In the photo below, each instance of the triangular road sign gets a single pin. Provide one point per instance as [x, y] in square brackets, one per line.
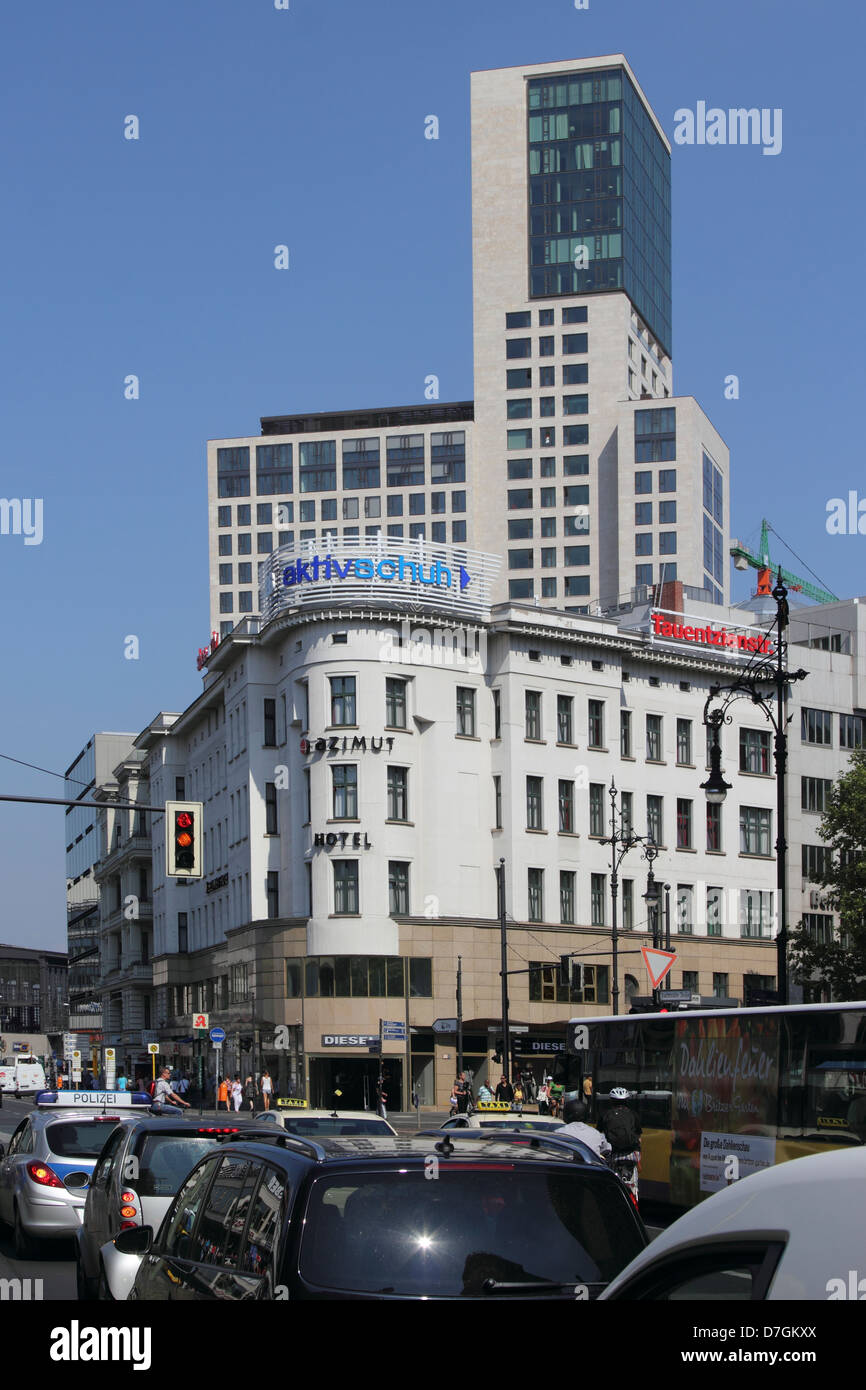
[657, 963]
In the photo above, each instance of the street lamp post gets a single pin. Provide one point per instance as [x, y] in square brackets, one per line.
[652, 898]
[621, 839]
[748, 685]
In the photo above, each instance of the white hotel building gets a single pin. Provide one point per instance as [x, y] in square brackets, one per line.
[369, 750]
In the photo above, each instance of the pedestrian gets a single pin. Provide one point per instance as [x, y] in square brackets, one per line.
[517, 1102]
[182, 1085]
[267, 1088]
[485, 1095]
[587, 1094]
[555, 1090]
[121, 1083]
[574, 1113]
[250, 1093]
[543, 1098]
[164, 1095]
[505, 1091]
[464, 1094]
[452, 1100]
[237, 1092]
[381, 1099]
[222, 1094]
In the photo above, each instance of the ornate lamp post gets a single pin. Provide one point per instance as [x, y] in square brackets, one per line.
[621, 839]
[757, 683]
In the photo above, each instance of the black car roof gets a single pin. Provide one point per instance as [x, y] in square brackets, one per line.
[528, 1147]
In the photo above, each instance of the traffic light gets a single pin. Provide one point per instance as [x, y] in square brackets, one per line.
[497, 1056]
[565, 970]
[516, 1045]
[183, 839]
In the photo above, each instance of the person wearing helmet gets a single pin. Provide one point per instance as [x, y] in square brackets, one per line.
[621, 1129]
[574, 1114]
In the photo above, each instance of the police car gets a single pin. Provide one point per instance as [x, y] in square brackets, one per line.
[45, 1169]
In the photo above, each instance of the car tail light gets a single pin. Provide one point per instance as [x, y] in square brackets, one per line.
[127, 1197]
[216, 1129]
[41, 1173]
[127, 1225]
[127, 1211]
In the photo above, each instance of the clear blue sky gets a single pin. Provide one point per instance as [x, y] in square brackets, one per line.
[306, 127]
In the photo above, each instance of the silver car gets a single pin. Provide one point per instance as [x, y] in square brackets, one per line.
[142, 1165]
[46, 1169]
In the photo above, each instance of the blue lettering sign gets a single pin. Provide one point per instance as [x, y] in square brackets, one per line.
[360, 567]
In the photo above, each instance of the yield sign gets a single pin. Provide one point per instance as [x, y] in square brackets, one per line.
[657, 963]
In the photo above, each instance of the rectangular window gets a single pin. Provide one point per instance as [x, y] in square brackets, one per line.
[573, 343]
[756, 913]
[233, 472]
[575, 374]
[626, 808]
[520, 588]
[519, 498]
[361, 465]
[344, 778]
[814, 792]
[520, 559]
[654, 819]
[755, 830]
[398, 888]
[575, 555]
[404, 460]
[271, 826]
[521, 318]
[497, 803]
[317, 471]
[816, 862]
[625, 733]
[566, 896]
[546, 346]
[715, 900]
[643, 574]
[643, 513]
[448, 457]
[273, 893]
[536, 895]
[817, 727]
[566, 807]
[643, 482]
[668, 543]
[851, 727]
[520, 530]
[685, 909]
[684, 742]
[519, 439]
[497, 713]
[596, 724]
[465, 711]
[654, 738]
[714, 827]
[628, 904]
[720, 985]
[533, 714]
[565, 719]
[684, 823]
[643, 543]
[518, 378]
[755, 751]
[534, 803]
[519, 408]
[270, 719]
[655, 435]
[343, 712]
[596, 808]
[597, 899]
[519, 469]
[518, 347]
[398, 793]
[395, 703]
[345, 887]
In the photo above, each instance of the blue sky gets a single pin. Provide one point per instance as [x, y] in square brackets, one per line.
[306, 127]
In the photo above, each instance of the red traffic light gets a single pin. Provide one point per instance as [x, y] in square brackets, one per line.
[183, 820]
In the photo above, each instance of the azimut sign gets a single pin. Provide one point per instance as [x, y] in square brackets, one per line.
[703, 634]
[380, 569]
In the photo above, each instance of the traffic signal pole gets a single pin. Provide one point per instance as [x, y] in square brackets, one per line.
[506, 1050]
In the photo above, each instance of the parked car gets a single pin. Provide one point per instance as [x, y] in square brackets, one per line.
[411, 1217]
[503, 1119]
[46, 1168]
[795, 1232]
[141, 1166]
[322, 1122]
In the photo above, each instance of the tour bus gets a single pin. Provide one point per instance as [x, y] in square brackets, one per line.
[22, 1074]
[722, 1093]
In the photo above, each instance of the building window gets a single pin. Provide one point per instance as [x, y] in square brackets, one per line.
[819, 925]
[497, 803]
[566, 807]
[668, 543]
[851, 727]
[654, 819]
[755, 830]
[395, 703]
[533, 715]
[654, 738]
[816, 862]
[344, 780]
[518, 347]
[398, 793]
[520, 560]
[596, 808]
[714, 827]
[720, 985]
[817, 727]
[345, 887]
[270, 713]
[625, 733]
[398, 888]
[643, 482]
[715, 898]
[574, 343]
[458, 530]
[626, 806]
[756, 913]
[534, 803]
[628, 904]
[597, 899]
[465, 712]
[667, 480]
[271, 826]
[596, 723]
[755, 751]
[643, 543]
[343, 712]
[684, 823]
[519, 470]
[814, 794]
[685, 909]
[566, 896]
[519, 498]
[404, 462]
[273, 892]
[518, 378]
[684, 742]
[643, 575]
[565, 719]
[536, 895]
[643, 513]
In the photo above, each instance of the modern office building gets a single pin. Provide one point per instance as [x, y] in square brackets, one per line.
[576, 462]
[33, 999]
[92, 768]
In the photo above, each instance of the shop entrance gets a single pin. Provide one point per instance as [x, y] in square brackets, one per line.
[356, 1077]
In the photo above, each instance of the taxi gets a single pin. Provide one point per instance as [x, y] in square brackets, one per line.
[298, 1119]
[45, 1169]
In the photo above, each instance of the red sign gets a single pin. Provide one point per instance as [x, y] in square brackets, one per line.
[657, 963]
[205, 652]
[664, 625]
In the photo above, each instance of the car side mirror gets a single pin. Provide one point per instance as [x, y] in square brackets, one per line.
[136, 1241]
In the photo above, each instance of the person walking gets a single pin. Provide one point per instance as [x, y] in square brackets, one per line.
[250, 1093]
[237, 1092]
[382, 1099]
[121, 1082]
[464, 1094]
[587, 1094]
[267, 1088]
[505, 1091]
[222, 1094]
[543, 1098]
[517, 1102]
[574, 1114]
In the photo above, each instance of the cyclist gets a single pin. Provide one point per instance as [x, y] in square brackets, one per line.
[621, 1129]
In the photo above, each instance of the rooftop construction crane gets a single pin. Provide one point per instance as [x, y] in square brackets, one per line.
[767, 570]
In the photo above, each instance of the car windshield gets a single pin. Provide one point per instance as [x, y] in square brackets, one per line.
[520, 1124]
[398, 1233]
[78, 1139]
[165, 1159]
[330, 1124]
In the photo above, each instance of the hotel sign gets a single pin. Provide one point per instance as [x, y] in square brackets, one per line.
[700, 633]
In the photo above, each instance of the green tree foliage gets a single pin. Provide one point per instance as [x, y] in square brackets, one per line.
[840, 963]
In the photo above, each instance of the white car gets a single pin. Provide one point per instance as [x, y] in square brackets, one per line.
[316, 1124]
[796, 1231]
[503, 1119]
